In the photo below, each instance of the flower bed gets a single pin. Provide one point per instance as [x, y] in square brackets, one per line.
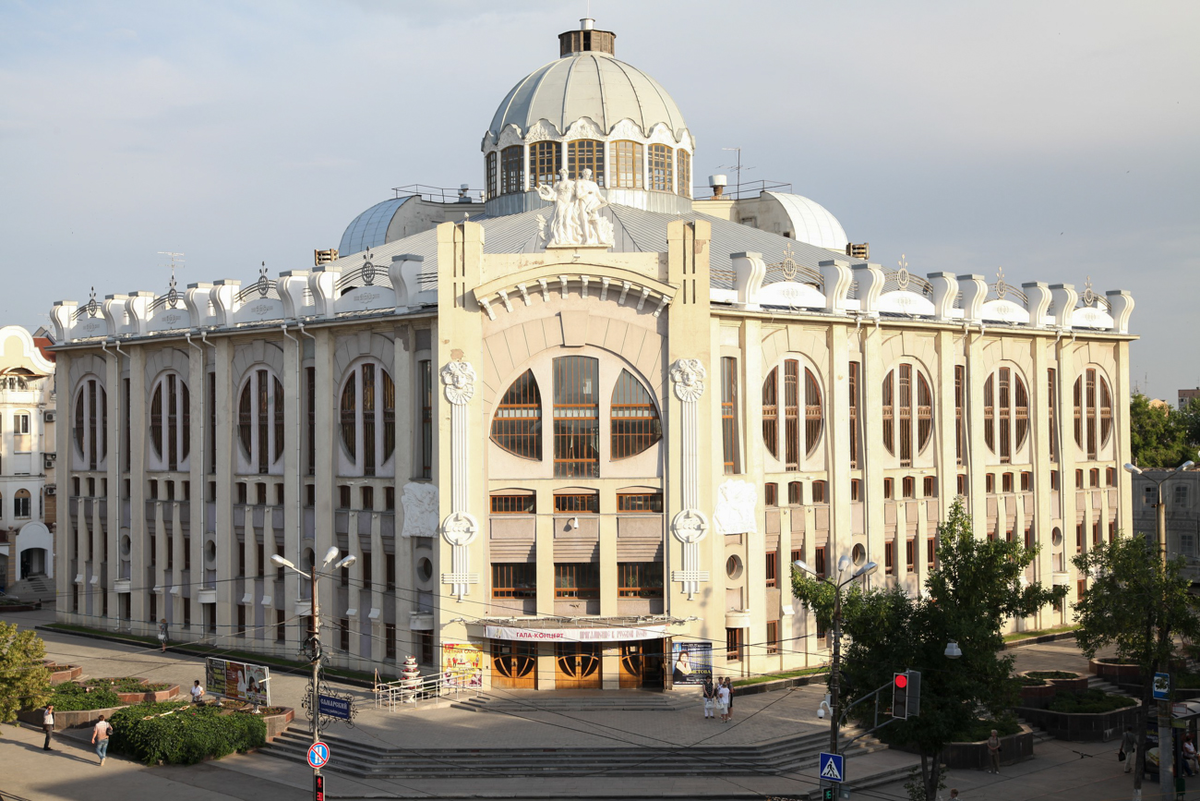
[73, 697]
[132, 690]
[1078, 726]
[1036, 693]
[1090, 702]
[177, 733]
[60, 674]
[1061, 679]
[1116, 672]
[1016, 743]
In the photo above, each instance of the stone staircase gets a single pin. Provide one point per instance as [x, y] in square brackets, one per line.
[565, 702]
[367, 761]
[33, 588]
[1097, 683]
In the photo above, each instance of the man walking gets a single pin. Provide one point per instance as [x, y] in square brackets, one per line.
[48, 725]
[1128, 746]
[100, 734]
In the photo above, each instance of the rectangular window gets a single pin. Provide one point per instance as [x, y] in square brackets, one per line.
[187, 613]
[661, 169]
[819, 492]
[280, 625]
[791, 415]
[1094, 477]
[854, 368]
[628, 156]
[908, 487]
[855, 490]
[795, 493]
[586, 154]
[241, 621]
[344, 499]
[490, 187]
[646, 502]
[366, 570]
[887, 488]
[729, 426]
[389, 498]
[368, 498]
[1079, 538]
[241, 557]
[889, 557]
[989, 483]
[514, 580]
[820, 633]
[1007, 482]
[425, 371]
[683, 163]
[1028, 537]
[576, 417]
[770, 412]
[389, 636]
[1187, 544]
[910, 554]
[734, 645]
[905, 392]
[525, 504]
[640, 579]
[344, 634]
[577, 580]
[772, 637]
[931, 552]
[1081, 588]
[960, 434]
[424, 642]
[577, 503]
[389, 570]
[1053, 479]
[1026, 481]
[1052, 401]
[771, 495]
[544, 161]
[1078, 479]
[930, 486]
[962, 485]
[819, 558]
[772, 568]
[512, 169]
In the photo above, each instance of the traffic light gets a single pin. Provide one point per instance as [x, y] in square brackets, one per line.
[900, 695]
[914, 693]
[828, 794]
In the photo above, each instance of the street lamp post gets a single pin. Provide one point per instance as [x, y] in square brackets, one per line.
[835, 664]
[1166, 745]
[315, 682]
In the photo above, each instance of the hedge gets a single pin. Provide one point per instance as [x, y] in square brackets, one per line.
[178, 733]
[71, 697]
[128, 684]
[1092, 701]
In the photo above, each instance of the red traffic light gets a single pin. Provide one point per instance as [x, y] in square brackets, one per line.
[901, 680]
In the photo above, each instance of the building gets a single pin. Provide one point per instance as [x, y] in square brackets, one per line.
[564, 436]
[1181, 497]
[1186, 396]
[27, 456]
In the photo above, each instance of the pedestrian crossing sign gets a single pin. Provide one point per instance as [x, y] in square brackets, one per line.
[831, 766]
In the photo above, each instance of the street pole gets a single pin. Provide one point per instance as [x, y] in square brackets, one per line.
[316, 673]
[834, 669]
[1166, 743]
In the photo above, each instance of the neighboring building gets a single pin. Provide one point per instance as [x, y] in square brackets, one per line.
[1181, 496]
[1186, 396]
[27, 456]
[567, 438]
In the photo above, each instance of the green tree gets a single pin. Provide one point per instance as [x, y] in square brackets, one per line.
[1139, 605]
[1188, 420]
[976, 586]
[24, 679]
[1158, 438]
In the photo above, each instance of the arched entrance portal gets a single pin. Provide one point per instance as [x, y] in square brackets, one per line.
[33, 562]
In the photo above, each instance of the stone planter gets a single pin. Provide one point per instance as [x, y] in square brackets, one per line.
[974, 756]
[67, 719]
[157, 696]
[1075, 685]
[60, 674]
[1117, 673]
[277, 724]
[1037, 696]
[1083, 727]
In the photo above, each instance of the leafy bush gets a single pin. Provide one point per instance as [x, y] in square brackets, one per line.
[1051, 674]
[177, 733]
[127, 684]
[1090, 701]
[72, 697]
[982, 729]
[1029, 681]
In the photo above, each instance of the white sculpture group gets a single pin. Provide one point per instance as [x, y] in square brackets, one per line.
[577, 219]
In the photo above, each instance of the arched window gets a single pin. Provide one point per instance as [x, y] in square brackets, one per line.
[635, 424]
[797, 439]
[901, 406]
[517, 424]
[489, 186]
[586, 154]
[22, 506]
[544, 163]
[576, 416]
[512, 170]
[170, 417]
[683, 165]
[1093, 403]
[368, 421]
[1005, 413]
[661, 168]
[628, 162]
[260, 420]
[91, 422]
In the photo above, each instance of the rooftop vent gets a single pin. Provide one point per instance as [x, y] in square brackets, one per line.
[586, 39]
[718, 184]
[862, 251]
[325, 256]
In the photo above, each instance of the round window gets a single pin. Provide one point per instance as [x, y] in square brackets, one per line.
[860, 554]
[1056, 537]
[210, 552]
[125, 545]
[733, 567]
[424, 569]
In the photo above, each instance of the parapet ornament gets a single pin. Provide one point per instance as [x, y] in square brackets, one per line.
[458, 378]
[577, 220]
[688, 377]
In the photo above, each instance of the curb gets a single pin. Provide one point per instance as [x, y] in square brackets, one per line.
[1062, 635]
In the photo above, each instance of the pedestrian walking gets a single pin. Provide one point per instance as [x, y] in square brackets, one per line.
[723, 701]
[710, 698]
[993, 746]
[1189, 755]
[953, 794]
[100, 734]
[1128, 746]
[162, 634]
[729, 687]
[197, 693]
[48, 725]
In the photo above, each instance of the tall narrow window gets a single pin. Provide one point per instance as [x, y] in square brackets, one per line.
[211, 378]
[364, 418]
[901, 404]
[812, 413]
[310, 397]
[1052, 405]
[1105, 412]
[635, 424]
[770, 412]
[260, 420]
[989, 413]
[889, 415]
[1091, 414]
[791, 414]
[629, 168]
[683, 161]
[729, 423]
[1005, 415]
[853, 374]
[661, 169]
[576, 417]
[905, 393]
[960, 375]
[543, 163]
[517, 424]
[91, 422]
[349, 413]
[512, 170]
[425, 368]
[586, 154]
[490, 182]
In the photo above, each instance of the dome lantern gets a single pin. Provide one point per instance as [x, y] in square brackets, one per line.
[586, 39]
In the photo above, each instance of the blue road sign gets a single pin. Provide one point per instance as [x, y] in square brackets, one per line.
[1162, 686]
[335, 707]
[318, 755]
[832, 767]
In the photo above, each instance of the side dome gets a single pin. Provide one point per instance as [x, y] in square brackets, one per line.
[811, 222]
[588, 84]
[370, 229]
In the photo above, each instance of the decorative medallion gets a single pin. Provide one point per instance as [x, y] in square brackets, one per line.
[458, 378]
[92, 306]
[460, 528]
[689, 526]
[788, 265]
[264, 284]
[368, 270]
[902, 274]
[1089, 297]
[1001, 287]
[688, 377]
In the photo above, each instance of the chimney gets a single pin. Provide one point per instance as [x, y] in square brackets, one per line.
[586, 40]
[718, 184]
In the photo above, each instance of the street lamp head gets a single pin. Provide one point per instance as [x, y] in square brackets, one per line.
[952, 650]
[278, 559]
[1133, 468]
[346, 562]
[843, 564]
[330, 555]
[866, 570]
[1188, 465]
[802, 566]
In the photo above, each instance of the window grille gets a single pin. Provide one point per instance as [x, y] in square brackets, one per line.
[517, 424]
[639, 579]
[640, 502]
[661, 169]
[512, 169]
[586, 154]
[576, 417]
[514, 580]
[524, 504]
[629, 167]
[635, 424]
[729, 423]
[577, 580]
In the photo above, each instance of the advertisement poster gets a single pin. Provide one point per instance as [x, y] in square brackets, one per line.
[691, 662]
[240, 681]
[462, 664]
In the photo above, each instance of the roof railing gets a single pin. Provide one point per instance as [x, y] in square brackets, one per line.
[745, 189]
[440, 194]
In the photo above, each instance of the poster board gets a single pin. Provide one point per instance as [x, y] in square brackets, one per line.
[691, 662]
[462, 665]
[240, 681]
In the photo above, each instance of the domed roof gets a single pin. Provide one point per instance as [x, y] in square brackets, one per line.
[812, 222]
[587, 84]
[369, 229]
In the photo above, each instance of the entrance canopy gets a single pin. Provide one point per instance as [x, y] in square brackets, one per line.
[567, 630]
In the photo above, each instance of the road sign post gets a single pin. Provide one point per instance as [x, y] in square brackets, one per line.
[318, 755]
[832, 767]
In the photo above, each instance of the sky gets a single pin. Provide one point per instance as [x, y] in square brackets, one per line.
[1057, 141]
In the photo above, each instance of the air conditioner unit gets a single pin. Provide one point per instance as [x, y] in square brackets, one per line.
[51, 490]
[48, 460]
[48, 416]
